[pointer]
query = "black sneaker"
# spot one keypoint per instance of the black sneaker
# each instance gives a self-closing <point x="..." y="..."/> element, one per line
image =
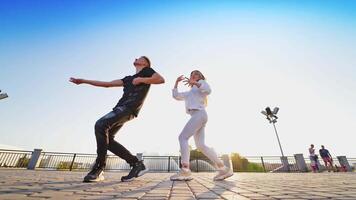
<point x="95" y="175"/>
<point x="138" y="169"/>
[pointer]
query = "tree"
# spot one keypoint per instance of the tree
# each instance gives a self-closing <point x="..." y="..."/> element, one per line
<point x="195" y="154"/>
<point x="241" y="164"/>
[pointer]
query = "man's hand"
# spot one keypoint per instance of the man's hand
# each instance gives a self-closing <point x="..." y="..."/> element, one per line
<point x="154" y="79"/>
<point x="138" y="80"/>
<point x="76" y="80"/>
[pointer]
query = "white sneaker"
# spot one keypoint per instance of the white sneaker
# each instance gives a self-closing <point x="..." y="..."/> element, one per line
<point x="223" y="173"/>
<point x="94" y="177"/>
<point x="182" y="175"/>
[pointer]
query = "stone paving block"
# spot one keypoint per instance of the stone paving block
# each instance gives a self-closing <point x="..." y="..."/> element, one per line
<point x="181" y="195"/>
<point x="311" y="197"/>
<point x="206" y="195"/>
<point x="51" y="194"/>
<point x="13" y="196"/>
<point x="156" y="195"/>
<point x="21" y="192"/>
<point x="84" y="193"/>
<point x="160" y="191"/>
<point x="182" y="198"/>
<point x="154" y="198"/>
<point x="224" y="192"/>
<point x="284" y="196"/>
<point x="133" y="194"/>
<point x="99" y="197"/>
<point x="182" y="191"/>
<point x="234" y="196"/>
<point x="261" y="198"/>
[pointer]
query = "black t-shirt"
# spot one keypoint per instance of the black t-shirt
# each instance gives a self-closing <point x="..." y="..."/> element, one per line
<point x="134" y="95"/>
<point x="324" y="153"/>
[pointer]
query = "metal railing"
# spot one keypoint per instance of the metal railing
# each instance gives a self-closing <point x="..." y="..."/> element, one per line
<point x="352" y="162"/>
<point x="265" y="164"/>
<point x="65" y="161"/>
<point x="76" y="161"/>
<point x="14" y="158"/>
<point x="81" y="161"/>
<point x="202" y="165"/>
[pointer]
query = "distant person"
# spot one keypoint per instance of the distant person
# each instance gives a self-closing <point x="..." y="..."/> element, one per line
<point x="195" y="103"/>
<point x="136" y="88"/>
<point x="313" y="159"/>
<point x="326" y="156"/>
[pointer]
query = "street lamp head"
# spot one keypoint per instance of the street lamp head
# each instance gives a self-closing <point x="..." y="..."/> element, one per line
<point x="275" y="110"/>
<point x="268" y="110"/>
<point x="271" y="115"/>
<point x="3" y="95"/>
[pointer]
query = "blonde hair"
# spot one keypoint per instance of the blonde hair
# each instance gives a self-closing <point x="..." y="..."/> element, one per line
<point x="202" y="77"/>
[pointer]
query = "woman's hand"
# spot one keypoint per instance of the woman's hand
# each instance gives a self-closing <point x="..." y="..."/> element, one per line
<point x="191" y="82"/>
<point x="180" y="78"/>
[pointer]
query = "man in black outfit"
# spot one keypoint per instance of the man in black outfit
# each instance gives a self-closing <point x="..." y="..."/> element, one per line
<point x="136" y="88"/>
<point x="326" y="156"/>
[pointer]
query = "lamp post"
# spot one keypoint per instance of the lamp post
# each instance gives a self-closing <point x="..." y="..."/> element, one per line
<point x="3" y="95"/>
<point x="271" y="116"/>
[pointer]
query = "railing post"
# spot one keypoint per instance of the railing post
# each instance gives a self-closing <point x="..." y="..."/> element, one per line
<point x="35" y="158"/>
<point x="71" y="165"/>
<point x="169" y="164"/>
<point x="285" y="163"/>
<point x="180" y="161"/>
<point x="263" y="164"/>
<point x="300" y="161"/>
<point x="344" y="163"/>
<point x="196" y="161"/>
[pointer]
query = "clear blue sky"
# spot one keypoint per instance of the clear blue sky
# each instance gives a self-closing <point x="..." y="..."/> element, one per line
<point x="298" y="55"/>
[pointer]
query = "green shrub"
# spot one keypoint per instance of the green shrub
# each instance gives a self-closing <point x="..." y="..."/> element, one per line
<point x="23" y="162"/>
<point x="65" y="165"/>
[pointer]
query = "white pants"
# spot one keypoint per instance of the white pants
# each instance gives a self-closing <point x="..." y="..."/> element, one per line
<point x="196" y="127"/>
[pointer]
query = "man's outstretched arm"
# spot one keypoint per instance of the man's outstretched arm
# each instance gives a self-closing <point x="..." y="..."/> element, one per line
<point x="106" y="84"/>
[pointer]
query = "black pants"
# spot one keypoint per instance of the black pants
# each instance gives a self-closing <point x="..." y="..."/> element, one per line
<point x="105" y="130"/>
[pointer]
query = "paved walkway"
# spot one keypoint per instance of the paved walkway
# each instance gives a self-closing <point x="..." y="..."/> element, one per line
<point x="26" y="184"/>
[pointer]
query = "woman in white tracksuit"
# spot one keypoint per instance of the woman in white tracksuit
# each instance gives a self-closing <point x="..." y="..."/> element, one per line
<point x="195" y="103"/>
